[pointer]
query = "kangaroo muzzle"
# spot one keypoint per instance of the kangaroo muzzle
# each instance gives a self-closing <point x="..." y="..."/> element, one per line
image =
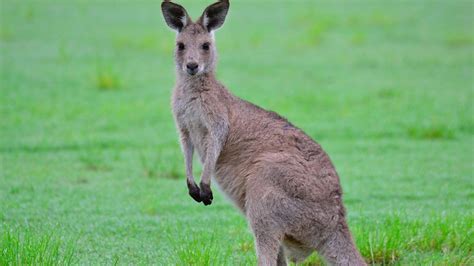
<point x="192" y="68"/>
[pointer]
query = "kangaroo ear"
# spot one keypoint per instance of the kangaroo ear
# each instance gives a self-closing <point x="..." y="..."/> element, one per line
<point x="175" y="15"/>
<point x="214" y="15"/>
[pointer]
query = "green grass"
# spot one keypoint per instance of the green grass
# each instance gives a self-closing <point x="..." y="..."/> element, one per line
<point x="91" y="170"/>
<point x="29" y="249"/>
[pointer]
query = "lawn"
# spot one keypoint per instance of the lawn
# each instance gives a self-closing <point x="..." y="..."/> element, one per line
<point x="91" y="170"/>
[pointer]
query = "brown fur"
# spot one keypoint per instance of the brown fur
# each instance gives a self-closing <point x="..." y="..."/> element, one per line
<point x="283" y="181"/>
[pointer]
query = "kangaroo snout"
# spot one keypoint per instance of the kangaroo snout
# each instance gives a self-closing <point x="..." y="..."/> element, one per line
<point x="192" y="68"/>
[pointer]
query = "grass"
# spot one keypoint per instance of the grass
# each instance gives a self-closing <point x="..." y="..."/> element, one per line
<point x="26" y="248"/>
<point x="91" y="170"/>
<point x="107" y="81"/>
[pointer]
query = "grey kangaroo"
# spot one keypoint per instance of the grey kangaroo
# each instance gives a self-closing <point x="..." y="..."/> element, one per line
<point x="281" y="180"/>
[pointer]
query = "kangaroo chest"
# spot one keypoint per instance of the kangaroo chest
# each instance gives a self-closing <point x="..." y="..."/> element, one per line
<point x="187" y="109"/>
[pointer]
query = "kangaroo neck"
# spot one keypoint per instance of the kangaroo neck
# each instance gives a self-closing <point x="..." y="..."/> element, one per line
<point x="198" y="83"/>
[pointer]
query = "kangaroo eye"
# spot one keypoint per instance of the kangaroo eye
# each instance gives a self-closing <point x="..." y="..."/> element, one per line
<point x="205" y="46"/>
<point x="180" y="46"/>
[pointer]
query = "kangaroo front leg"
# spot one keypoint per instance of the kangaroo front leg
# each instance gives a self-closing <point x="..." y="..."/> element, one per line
<point x="209" y="166"/>
<point x="215" y="142"/>
<point x="188" y="150"/>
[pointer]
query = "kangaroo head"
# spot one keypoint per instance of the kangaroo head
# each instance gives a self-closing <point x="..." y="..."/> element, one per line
<point x="195" y="51"/>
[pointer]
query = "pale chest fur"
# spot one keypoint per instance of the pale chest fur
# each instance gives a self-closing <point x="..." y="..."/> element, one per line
<point x="191" y="109"/>
<point x="187" y="110"/>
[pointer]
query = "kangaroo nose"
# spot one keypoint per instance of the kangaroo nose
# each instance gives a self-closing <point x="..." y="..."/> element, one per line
<point x="192" y="66"/>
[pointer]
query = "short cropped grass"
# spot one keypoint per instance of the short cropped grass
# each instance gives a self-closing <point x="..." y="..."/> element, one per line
<point x="91" y="170"/>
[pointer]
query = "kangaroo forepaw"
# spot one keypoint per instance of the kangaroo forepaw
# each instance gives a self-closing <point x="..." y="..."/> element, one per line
<point x="194" y="191"/>
<point x="206" y="194"/>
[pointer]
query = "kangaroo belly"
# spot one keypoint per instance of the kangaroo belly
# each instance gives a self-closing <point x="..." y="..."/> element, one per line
<point x="198" y="134"/>
<point x="232" y="182"/>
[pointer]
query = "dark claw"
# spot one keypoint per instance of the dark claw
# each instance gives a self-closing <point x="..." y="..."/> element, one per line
<point x="206" y="194"/>
<point x="194" y="191"/>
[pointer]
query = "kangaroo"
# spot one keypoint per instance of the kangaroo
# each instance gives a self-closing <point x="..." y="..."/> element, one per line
<point x="281" y="180"/>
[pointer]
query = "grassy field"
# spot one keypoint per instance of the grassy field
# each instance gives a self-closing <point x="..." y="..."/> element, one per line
<point x="91" y="170"/>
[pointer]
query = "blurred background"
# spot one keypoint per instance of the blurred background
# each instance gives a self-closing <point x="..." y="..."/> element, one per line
<point x="91" y="170"/>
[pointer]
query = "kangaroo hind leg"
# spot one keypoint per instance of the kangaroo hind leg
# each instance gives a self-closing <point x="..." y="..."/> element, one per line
<point x="267" y="232"/>
<point x="339" y="248"/>
<point x="269" y="249"/>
